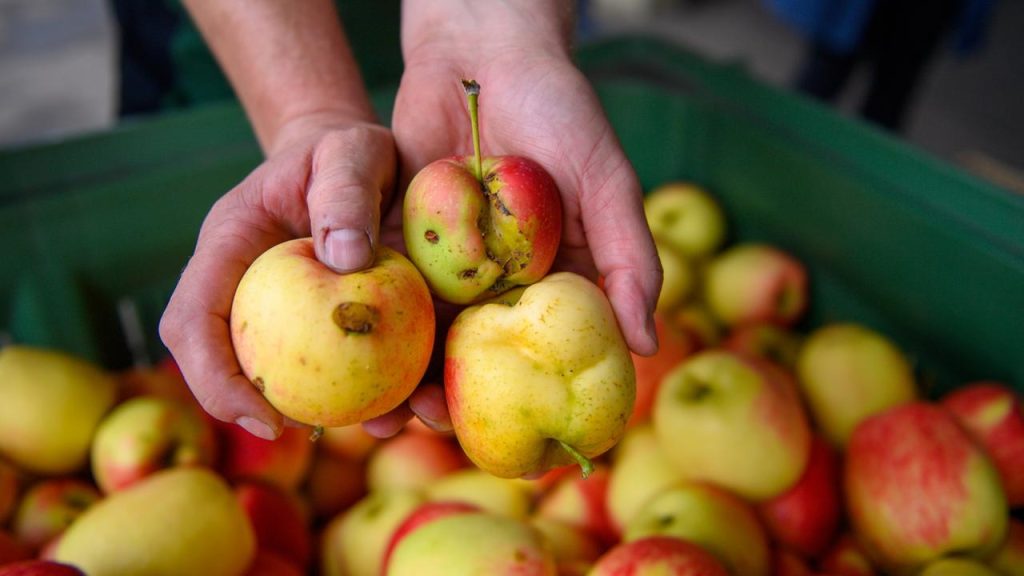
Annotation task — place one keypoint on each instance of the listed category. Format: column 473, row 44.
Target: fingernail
column 256, row 428
column 347, row 250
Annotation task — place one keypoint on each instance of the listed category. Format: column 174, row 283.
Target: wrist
column 467, row 31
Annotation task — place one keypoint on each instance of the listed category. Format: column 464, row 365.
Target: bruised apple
column 330, row 349
column 539, row 378
column 477, row 226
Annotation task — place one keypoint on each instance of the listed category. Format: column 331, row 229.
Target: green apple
column 52, row 404
column 679, row 279
column 639, row 471
column 540, row 378
column 510, row 497
column 918, row 488
column 686, row 217
column 848, row 372
column 330, row 349
column 733, row 420
column 177, row 521
column 712, row 518
column 146, row 434
column 473, row 543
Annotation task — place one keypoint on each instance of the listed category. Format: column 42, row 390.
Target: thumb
column 352, row 175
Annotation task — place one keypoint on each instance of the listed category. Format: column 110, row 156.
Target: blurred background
column 943, row 74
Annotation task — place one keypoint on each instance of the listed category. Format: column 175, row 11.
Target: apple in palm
column 993, row 414
column 476, row 226
column 330, row 349
column 733, row 420
column 539, row 378
column 918, row 487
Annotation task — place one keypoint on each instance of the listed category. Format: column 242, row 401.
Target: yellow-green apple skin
column 658, row 556
column 848, row 372
column 354, row 542
column 679, row 279
column 639, row 471
column 543, row 368
column 958, row 567
column 510, row 497
column 330, row 349
column 146, row 434
column 710, row 517
column 474, row 239
column 735, row 421
column 753, row 282
column 1009, row 559
column 473, row 543
column 918, row 488
column 52, row 404
column 686, row 217
column 177, row 521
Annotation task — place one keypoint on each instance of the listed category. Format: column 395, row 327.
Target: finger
column 387, row 425
column 611, row 208
column 429, row 405
column 353, row 172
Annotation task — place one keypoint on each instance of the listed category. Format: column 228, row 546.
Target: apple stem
column 472, row 94
column 318, row 431
column 586, row 466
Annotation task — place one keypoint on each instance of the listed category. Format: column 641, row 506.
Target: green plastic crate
column 893, row 237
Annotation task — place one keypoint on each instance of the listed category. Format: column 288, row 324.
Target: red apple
column 755, row 283
column 789, row 564
column 267, row 563
column 674, row 346
column 412, row 461
column 663, row 555
column 39, row 568
column 476, row 226
column 334, row 483
column 12, row 549
column 284, row 461
column 9, row 487
column 917, row 488
column 146, row 434
column 278, row 520
column 51, row 505
column 581, row 502
column 992, row 412
column 805, row 518
column 846, row 557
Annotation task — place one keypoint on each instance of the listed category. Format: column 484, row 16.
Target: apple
column 674, row 346
column 787, row 563
column 993, row 414
column 753, row 282
column 735, row 421
column 686, row 217
column 848, row 372
column 49, row 506
column 146, row 434
column 411, row 460
column 473, row 543
column 846, row 557
column 330, row 349
column 183, row 520
column 353, row 543
column 679, row 279
column 352, row 441
column 154, row 381
column 658, row 555
column 581, row 502
column 477, row 226
column 1009, row 559
column 39, row 568
column 52, row 403
column 10, row 481
column 917, row 488
column 575, row 549
column 423, row 514
column 266, row 563
column 509, row 497
column 539, row 379
column 279, row 521
column 805, row 518
column 284, row 461
column 639, row 471
column 765, row 340
column 334, row 483
column 696, row 320
column 12, row 549
column 714, row 519
column 957, row 567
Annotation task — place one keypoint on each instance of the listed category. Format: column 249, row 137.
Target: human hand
column 325, row 176
column 534, row 102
